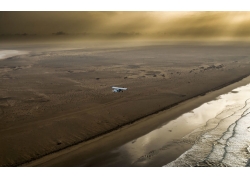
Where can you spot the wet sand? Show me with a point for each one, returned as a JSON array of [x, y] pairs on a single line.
[[52, 100]]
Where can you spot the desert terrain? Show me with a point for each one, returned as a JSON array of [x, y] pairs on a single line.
[[51, 100]]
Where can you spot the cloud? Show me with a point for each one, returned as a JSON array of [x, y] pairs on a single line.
[[121, 24]]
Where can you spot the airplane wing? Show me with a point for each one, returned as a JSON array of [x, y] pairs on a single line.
[[123, 88], [119, 88]]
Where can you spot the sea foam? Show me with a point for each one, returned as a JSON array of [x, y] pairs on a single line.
[[225, 139], [9, 53]]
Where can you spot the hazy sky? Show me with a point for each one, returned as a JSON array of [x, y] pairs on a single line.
[[148, 24]]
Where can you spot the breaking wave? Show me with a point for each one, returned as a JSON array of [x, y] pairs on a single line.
[[9, 53]]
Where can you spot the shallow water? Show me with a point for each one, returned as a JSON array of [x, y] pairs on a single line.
[[225, 139]]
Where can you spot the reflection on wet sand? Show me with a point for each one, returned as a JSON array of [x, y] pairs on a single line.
[[224, 139]]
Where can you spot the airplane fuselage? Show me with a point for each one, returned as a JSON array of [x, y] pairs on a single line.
[[119, 89]]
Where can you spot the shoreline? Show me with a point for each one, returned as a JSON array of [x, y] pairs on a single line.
[[5, 54], [223, 141], [176, 109]]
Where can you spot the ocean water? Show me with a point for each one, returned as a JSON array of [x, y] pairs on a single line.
[[9, 53], [225, 138]]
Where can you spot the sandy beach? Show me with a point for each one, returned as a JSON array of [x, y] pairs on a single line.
[[52, 100]]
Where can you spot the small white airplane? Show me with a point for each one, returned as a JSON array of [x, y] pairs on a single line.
[[118, 89]]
